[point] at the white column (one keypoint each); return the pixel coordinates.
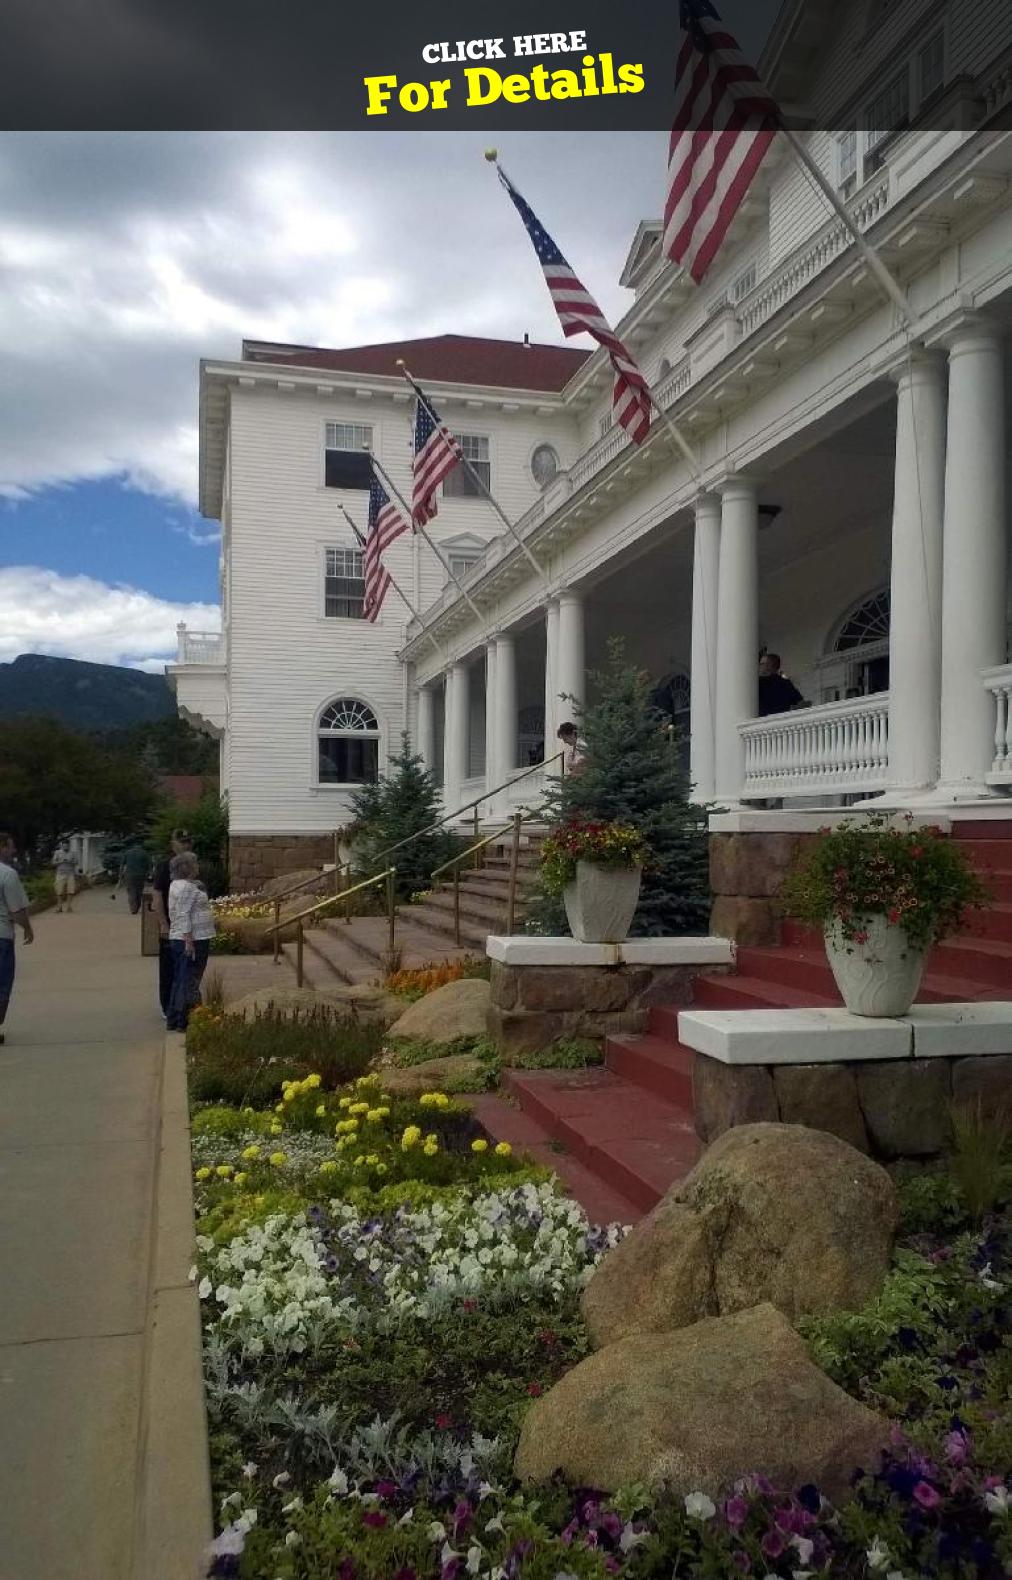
(426, 728)
(552, 719)
(570, 677)
(491, 766)
(975, 556)
(505, 725)
(702, 717)
(915, 632)
(455, 734)
(737, 633)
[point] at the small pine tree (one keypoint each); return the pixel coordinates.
(401, 803)
(633, 774)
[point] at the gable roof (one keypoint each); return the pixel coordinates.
(449, 359)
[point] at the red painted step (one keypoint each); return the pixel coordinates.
(759, 992)
(656, 1064)
(505, 1122)
(639, 1147)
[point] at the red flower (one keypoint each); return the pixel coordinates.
(470, 1305)
(893, 916)
(535, 1390)
(444, 1421)
(861, 938)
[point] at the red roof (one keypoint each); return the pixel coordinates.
(187, 789)
(448, 359)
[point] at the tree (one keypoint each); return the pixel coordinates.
(207, 825)
(167, 746)
(633, 774)
(54, 780)
(402, 803)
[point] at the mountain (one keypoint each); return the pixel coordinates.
(85, 696)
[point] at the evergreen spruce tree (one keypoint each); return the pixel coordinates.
(403, 802)
(633, 774)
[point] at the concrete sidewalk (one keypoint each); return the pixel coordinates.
(80, 1138)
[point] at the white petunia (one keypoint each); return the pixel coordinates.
(437, 1531)
(699, 1507)
(249, 1470)
(997, 1500)
(293, 1539)
(473, 1560)
(204, 1288)
(280, 1480)
(878, 1554)
(229, 1544)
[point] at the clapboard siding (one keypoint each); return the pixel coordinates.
(286, 659)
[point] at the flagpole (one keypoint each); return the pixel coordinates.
(395, 584)
(492, 158)
(883, 275)
(437, 551)
(478, 480)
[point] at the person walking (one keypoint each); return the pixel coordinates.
(191, 928)
(13, 912)
(135, 864)
(179, 842)
(65, 871)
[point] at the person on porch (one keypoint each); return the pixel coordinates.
(777, 694)
(574, 749)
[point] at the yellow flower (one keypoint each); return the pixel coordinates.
(321, 1109)
(430, 1149)
(426, 1100)
(359, 1161)
(346, 1127)
(251, 1153)
(223, 1170)
(384, 1113)
(278, 1158)
(411, 1137)
(328, 1167)
(290, 1093)
(372, 1159)
(367, 1080)
(240, 1179)
(202, 1174)
(344, 1102)
(381, 1168)
(503, 1150)
(479, 1146)
(441, 1100)
(279, 1108)
(359, 1108)
(374, 1115)
(313, 1081)
(276, 1129)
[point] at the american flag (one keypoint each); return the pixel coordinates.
(578, 313)
(724, 124)
(385, 525)
(436, 454)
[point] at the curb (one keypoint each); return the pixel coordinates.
(173, 1522)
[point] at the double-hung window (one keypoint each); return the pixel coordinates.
(343, 584)
(346, 459)
(847, 156)
(886, 114)
(460, 484)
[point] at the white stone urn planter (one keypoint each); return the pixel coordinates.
(602, 902)
(879, 976)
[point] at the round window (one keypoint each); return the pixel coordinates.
(544, 465)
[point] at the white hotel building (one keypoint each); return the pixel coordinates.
(851, 514)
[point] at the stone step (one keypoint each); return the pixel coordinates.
(487, 910)
(638, 1149)
(437, 925)
(505, 1122)
(654, 1063)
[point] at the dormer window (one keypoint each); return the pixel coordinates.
(463, 553)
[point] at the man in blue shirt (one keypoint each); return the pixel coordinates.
(13, 910)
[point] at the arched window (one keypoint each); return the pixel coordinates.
(868, 623)
(348, 743)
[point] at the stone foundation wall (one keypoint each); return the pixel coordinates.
(746, 875)
(253, 858)
(891, 1109)
(534, 1006)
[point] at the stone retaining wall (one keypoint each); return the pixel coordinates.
(746, 875)
(253, 858)
(534, 1006)
(891, 1109)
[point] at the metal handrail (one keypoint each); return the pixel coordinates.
(472, 850)
(332, 899)
(456, 862)
(298, 922)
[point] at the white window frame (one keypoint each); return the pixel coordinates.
(744, 282)
(379, 736)
(326, 549)
(453, 481)
(356, 428)
(848, 166)
(544, 444)
(463, 554)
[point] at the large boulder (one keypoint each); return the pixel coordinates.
(772, 1213)
(458, 1009)
(697, 1409)
(323, 883)
(367, 1003)
(458, 1072)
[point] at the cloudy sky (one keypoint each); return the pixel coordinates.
(126, 257)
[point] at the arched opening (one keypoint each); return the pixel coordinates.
(348, 738)
(857, 654)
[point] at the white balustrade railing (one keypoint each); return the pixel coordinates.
(200, 647)
(999, 683)
(833, 749)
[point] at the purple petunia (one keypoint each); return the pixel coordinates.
(736, 1513)
(926, 1495)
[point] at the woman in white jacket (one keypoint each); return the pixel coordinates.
(191, 928)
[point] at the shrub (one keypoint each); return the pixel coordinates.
(981, 1158)
(241, 1061)
(401, 806)
(916, 878)
(577, 1053)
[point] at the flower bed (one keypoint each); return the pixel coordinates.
(384, 1292)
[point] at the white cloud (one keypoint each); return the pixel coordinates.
(79, 617)
(126, 257)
